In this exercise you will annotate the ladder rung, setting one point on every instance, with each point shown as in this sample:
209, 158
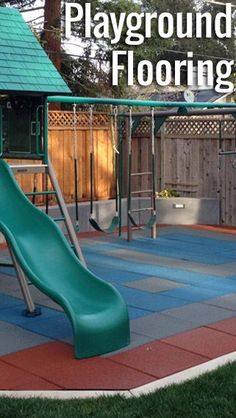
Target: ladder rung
140, 210
227, 152
145, 173
58, 219
142, 191
41, 193
29, 168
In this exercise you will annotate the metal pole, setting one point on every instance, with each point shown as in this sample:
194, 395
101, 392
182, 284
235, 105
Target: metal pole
70, 228
31, 310
145, 103
154, 227
129, 227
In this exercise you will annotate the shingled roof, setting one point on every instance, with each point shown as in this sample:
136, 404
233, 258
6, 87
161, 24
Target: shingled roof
24, 65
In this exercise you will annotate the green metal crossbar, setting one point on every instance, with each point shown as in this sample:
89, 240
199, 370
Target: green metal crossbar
145, 103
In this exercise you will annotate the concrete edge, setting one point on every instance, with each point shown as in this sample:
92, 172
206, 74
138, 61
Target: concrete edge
175, 379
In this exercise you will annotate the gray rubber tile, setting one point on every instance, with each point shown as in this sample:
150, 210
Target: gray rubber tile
136, 341
226, 302
159, 326
154, 284
13, 338
200, 313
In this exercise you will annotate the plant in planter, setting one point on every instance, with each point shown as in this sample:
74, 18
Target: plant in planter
167, 193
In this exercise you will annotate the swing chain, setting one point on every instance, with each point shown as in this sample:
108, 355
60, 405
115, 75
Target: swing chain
114, 136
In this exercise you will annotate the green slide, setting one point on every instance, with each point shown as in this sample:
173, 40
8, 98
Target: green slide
96, 310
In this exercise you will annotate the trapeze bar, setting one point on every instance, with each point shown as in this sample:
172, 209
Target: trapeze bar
128, 102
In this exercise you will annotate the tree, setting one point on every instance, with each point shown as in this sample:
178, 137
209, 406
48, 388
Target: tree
88, 72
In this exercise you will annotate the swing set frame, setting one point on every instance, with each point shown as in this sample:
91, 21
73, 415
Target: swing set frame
159, 112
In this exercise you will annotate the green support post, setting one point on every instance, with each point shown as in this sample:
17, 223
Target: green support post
1, 131
45, 133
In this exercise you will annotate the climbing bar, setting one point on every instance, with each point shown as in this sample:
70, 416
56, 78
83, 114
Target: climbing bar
227, 152
146, 173
142, 191
29, 168
50, 192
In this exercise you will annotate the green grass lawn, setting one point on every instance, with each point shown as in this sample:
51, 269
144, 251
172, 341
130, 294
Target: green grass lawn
210, 396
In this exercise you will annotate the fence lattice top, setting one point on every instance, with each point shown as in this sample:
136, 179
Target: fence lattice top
184, 127
196, 128
67, 119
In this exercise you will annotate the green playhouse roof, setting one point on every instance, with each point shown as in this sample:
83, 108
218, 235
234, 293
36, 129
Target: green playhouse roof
24, 65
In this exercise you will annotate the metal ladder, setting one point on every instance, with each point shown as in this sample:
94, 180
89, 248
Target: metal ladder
49, 171
149, 193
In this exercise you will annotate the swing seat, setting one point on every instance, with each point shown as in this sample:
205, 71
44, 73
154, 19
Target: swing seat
150, 223
110, 230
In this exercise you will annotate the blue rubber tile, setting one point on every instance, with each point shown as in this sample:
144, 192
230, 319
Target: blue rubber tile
135, 313
177, 249
57, 327
203, 241
195, 294
148, 301
14, 339
8, 270
171, 273
219, 284
7, 301
114, 276
52, 324
158, 326
13, 315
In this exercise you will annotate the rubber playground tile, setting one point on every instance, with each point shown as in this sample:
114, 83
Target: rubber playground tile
11, 376
180, 250
227, 326
147, 270
194, 293
200, 313
54, 362
115, 275
135, 313
153, 284
136, 340
37, 384
157, 326
205, 342
148, 301
8, 285
159, 359
220, 284
52, 324
7, 301
226, 302
9, 271
14, 338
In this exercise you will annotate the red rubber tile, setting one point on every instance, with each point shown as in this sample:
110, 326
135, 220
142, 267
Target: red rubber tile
37, 384
54, 362
227, 325
158, 359
11, 377
205, 342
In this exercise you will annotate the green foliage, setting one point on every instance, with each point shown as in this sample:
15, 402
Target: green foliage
167, 193
88, 74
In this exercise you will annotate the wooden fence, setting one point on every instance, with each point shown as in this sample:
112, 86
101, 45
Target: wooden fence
187, 157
